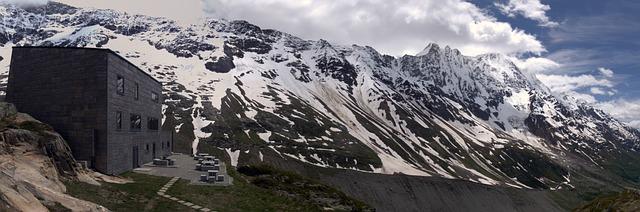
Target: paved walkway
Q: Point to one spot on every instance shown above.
(163, 190)
(185, 168)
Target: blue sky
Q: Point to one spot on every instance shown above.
(585, 48)
(590, 35)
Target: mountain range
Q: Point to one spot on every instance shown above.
(261, 94)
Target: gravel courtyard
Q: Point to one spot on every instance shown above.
(184, 168)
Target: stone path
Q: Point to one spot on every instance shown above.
(162, 192)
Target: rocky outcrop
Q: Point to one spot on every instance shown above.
(33, 162)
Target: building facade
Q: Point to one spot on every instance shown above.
(107, 109)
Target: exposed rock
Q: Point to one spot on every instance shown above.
(222, 65)
(33, 161)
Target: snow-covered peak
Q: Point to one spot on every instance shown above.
(429, 49)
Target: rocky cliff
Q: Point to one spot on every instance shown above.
(33, 162)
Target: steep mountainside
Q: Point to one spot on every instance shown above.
(253, 91)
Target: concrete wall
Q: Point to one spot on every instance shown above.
(122, 141)
(74, 91)
(64, 88)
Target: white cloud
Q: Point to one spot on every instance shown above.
(393, 27)
(580, 59)
(582, 96)
(183, 11)
(536, 64)
(531, 9)
(25, 3)
(606, 72)
(625, 110)
(566, 83)
(601, 91)
(597, 91)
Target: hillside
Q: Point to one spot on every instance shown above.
(628, 200)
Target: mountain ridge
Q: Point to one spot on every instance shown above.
(249, 90)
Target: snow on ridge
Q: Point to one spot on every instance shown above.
(504, 96)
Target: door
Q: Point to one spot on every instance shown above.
(153, 151)
(136, 164)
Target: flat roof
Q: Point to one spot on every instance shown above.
(90, 48)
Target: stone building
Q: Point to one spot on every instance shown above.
(107, 109)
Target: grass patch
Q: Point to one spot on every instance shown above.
(627, 200)
(137, 196)
(301, 188)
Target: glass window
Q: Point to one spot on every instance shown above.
(152, 123)
(136, 122)
(154, 97)
(120, 85)
(118, 120)
(137, 91)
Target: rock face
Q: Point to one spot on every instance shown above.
(257, 92)
(33, 160)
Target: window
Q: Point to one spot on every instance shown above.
(120, 85)
(119, 120)
(147, 148)
(137, 95)
(136, 122)
(154, 97)
(152, 123)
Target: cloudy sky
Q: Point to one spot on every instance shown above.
(587, 48)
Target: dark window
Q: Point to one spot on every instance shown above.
(154, 97)
(136, 122)
(168, 145)
(147, 147)
(120, 85)
(137, 91)
(118, 120)
(152, 123)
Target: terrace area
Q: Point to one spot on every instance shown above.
(185, 167)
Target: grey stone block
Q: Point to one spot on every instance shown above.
(74, 91)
